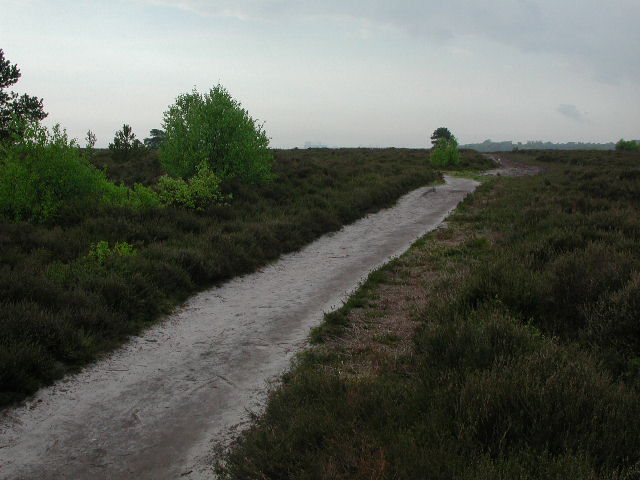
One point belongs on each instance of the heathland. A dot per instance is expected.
(78, 284)
(504, 345)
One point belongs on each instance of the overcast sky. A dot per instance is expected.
(338, 72)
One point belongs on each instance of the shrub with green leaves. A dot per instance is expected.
(138, 197)
(214, 129)
(43, 172)
(101, 251)
(445, 152)
(198, 192)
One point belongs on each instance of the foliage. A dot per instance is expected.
(198, 192)
(42, 171)
(525, 364)
(628, 145)
(91, 140)
(145, 170)
(138, 197)
(101, 251)
(445, 153)
(214, 128)
(24, 108)
(155, 139)
(126, 146)
(439, 134)
(59, 311)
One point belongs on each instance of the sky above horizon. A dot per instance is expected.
(338, 72)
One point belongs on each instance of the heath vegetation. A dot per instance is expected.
(525, 354)
(71, 288)
(95, 245)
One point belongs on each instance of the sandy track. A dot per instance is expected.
(154, 409)
(511, 168)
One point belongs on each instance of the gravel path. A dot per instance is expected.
(155, 408)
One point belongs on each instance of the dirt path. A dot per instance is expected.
(511, 168)
(153, 409)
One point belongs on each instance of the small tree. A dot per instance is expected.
(445, 153)
(440, 133)
(91, 140)
(155, 139)
(24, 108)
(213, 129)
(125, 145)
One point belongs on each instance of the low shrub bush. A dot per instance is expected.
(44, 174)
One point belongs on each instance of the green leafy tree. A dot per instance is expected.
(125, 145)
(23, 107)
(627, 145)
(445, 153)
(440, 133)
(155, 139)
(213, 129)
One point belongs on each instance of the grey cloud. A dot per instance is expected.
(603, 36)
(572, 112)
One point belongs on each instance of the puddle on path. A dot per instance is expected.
(153, 409)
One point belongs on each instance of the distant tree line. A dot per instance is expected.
(628, 145)
(508, 146)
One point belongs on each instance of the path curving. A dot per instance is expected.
(154, 409)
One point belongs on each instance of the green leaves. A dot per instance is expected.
(101, 251)
(43, 172)
(214, 129)
(23, 107)
(198, 192)
(445, 152)
(628, 145)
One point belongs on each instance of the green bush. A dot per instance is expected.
(445, 153)
(138, 197)
(101, 251)
(198, 192)
(215, 130)
(43, 172)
